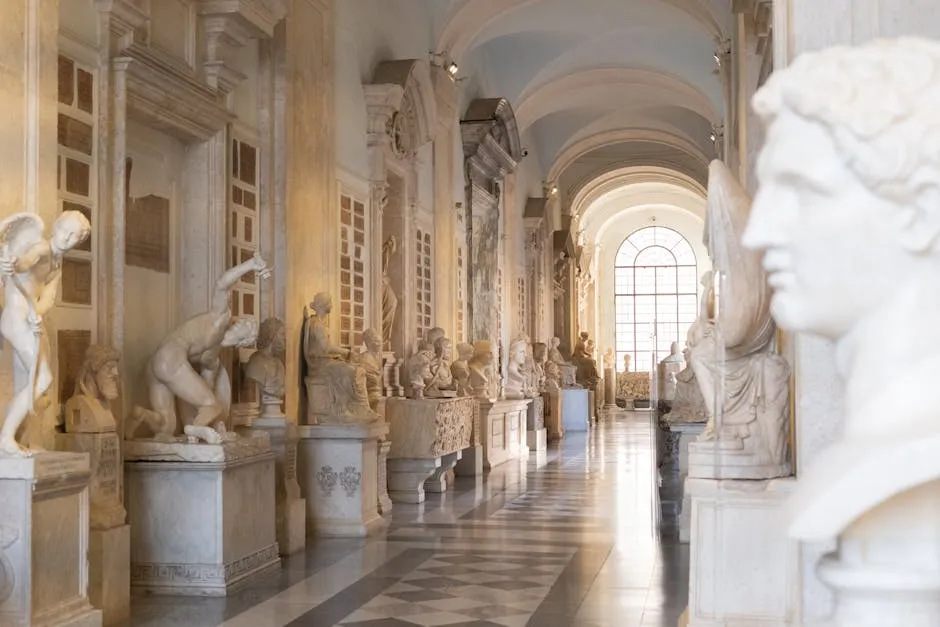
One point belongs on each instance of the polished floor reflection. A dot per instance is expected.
(570, 539)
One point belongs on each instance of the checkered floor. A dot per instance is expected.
(461, 588)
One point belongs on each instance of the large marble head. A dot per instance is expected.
(69, 230)
(322, 304)
(483, 352)
(272, 337)
(539, 352)
(848, 209)
(518, 352)
(100, 375)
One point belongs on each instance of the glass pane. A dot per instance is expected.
(687, 280)
(655, 256)
(666, 280)
(667, 237)
(645, 280)
(685, 256)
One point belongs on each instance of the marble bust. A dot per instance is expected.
(626, 362)
(187, 366)
(481, 369)
(609, 359)
(97, 386)
(733, 351)
(266, 366)
(418, 369)
(31, 267)
(460, 369)
(847, 219)
(539, 359)
(517, 379)
(336, 381)
(440, 382)
(669, 368)
(372, 361)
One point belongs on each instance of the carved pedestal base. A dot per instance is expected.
(686, 432)
(575, 412)
(711, 460)
(739, 529)
(553, 416)
(109, 554)
(202, 516)
(503, 431)
(425, 431)
(291, 516)
(442, 477)
(109, 573)
(406, 478)
(44, 509)
(385, 503)
(338, 470)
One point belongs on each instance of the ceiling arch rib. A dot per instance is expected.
(470, 19)
(579, 146)
(627, 87)
(616, 179)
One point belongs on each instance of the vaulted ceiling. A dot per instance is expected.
(597, 85)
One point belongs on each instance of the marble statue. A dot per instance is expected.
(266, 366)
(187, 366)
(440, 383)
(846, 216)
(517, 379)
(733, 350)
(626, 362)
(460, 369)
(562, 262)
(554, 355)
(580, 350)
(389, 298)
(609, 359)
(668, 369)
(539, 359)
(481, 369)
(31, 269)
(418, 369)
(372, 361)
(688, 405)
(336, 381)
(583, 357)
(98, 385)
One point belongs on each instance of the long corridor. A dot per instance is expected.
(567, 540)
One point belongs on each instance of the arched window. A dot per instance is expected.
(656, 281)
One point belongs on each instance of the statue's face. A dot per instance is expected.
(519, 354)
(446, 351)
(686, 354)
(107, 379)
(827, 239)
(65, 236)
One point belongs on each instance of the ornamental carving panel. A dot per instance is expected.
(453, 423)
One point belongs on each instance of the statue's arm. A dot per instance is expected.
(228, 280)
(50, 290)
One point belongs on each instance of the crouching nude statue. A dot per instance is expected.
(186, 366)
(31, 269)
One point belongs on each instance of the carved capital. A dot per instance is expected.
(121, 18)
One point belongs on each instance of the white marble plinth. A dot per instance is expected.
(537, 441)
(337, 465)
(202, 516)
(384, 501)
(575, 412)
(686, 432)
(104, 453)
(744, 570)
(291, 511)
(553, 416)
(723, 459)
(44, 518)
(536, 438)
(406, 478)
(443, 475)
(109, 573)
(503, 431)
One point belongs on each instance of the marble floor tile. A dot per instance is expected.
(570, 539)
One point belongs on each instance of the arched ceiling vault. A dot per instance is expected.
(597, 86)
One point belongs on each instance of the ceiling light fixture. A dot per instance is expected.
(554, 190)
(712, 136)
(452, 69)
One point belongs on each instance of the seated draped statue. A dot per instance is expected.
(688, 404)
(749, 438)
(583, 357)
(96, 387)
(187, 366)
(460, 369)
(567, 371)
(266, 366)
(336, 381)
(517, 379)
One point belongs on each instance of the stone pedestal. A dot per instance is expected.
(723, 459)
(390, 376)
(109, 562)
(291, 512)
(44, 543)
(574, 409)
(610, 388)
(503, 431)
(202, 516)
(384, 501)
(535, 435)
(744, 571)
(685, 433)
(442, 476)
(337, 465)
(426, 434)
(554, 427)
(471, 461)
